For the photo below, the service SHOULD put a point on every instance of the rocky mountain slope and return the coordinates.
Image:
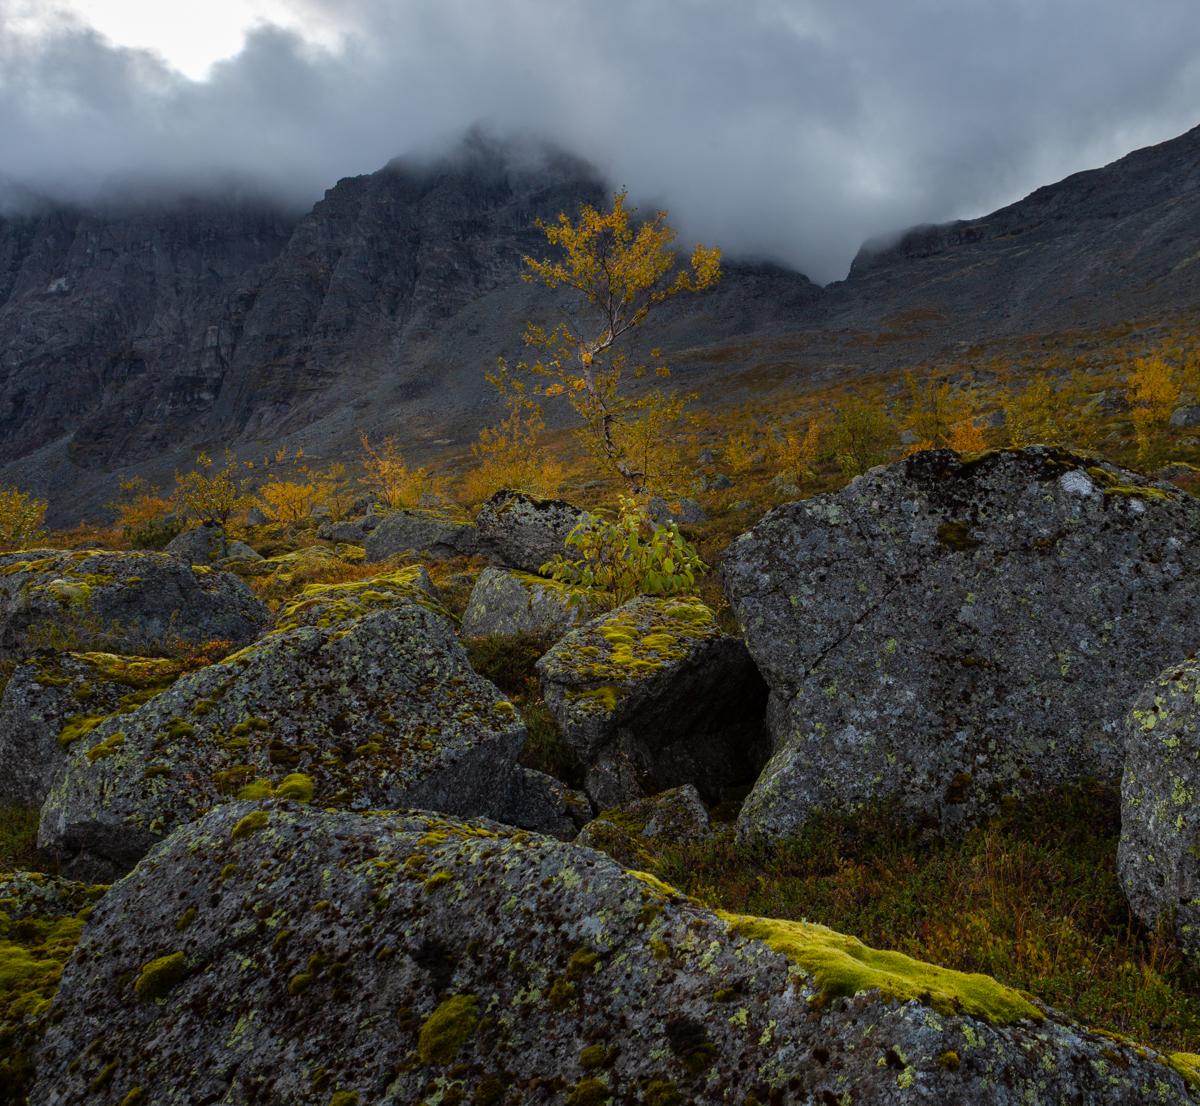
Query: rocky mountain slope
(132, 334)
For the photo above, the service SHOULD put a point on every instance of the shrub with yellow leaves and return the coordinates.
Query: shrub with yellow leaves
(1154, 388)
(388, 476)
(21, 518)
(211, 494)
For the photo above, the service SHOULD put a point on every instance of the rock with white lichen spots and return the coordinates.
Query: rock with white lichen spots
(950, 631)
(126, 602)
(521, 532)
(53, 699)
(654, 695)
(1159, 856)
(369, 710)
(504, 602)
(201, 545)
(278, 954)
(419, 532)
(629, 833)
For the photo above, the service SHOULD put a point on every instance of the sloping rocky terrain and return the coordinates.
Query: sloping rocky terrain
(133, 332)
(335, 879)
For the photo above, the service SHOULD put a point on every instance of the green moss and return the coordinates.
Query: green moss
(948, 1060)
(185, 919)
(661, 1092)
(256, 789)
(1128, 491)
(956, 535)
(1187, 1064)
(344, 1098)
(159, 976)
(107, 747)
(135, 1096)
(296, 786)
(79, 726)
(249, 824)
(326, 605)
(589, 1092)
(841, 965)
(592, 1057)
(447, 1029)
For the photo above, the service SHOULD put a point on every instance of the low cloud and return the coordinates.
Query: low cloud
(788, 130)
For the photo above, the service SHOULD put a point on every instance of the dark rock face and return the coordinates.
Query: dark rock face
(945, 632)
(126, 602)
(1160, 818)
(377, 709)
(653, 695)
(55, 699)
(419, 532)
(425, 959)
(518, 531)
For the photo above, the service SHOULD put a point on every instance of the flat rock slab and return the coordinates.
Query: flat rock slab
(508, 602)
(1157, 859)
(378, 712)
(521, 532)
(419, 532)
(275, 954)
(127, 602)
(54, 699)
(948, 631)
(654, 695)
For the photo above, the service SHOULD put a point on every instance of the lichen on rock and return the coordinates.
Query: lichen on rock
(528, 971)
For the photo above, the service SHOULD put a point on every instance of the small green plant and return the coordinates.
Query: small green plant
(626, 556)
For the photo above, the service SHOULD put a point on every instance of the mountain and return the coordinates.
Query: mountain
(132, 334)
(136, 331)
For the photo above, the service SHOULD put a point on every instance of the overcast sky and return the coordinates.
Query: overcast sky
(793, 129)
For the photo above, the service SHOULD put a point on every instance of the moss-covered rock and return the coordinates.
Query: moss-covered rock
(520, 532)
(423, 532)
(54, 699)
(325, 605)
(654, 695)
(1159, 855)
(127, 602)
(629, 833)
(41, 919)
(402, 958)
(950, 631)
(504, 602)
(378, 711)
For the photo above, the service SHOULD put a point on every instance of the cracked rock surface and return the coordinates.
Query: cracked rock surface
(948, 631)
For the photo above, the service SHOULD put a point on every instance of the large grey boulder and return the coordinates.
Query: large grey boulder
(653, 695)
(54, 699)
(518, 531)
(275, 954)
(1158, 860)
(629, 833)
(363, 703)
(946, 632)
(504, 602)
(353, 530)
(128, 602)
(420, 532)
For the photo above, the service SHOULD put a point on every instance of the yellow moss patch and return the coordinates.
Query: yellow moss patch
(841, 965)
(251, 823)
(446, 1030)
(159, 976)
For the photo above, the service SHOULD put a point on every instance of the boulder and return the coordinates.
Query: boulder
(1185, 417)
(518, 531)
(368, 708)
(420, 532)
(354, 530)
(628, 833)
(127, 602)
(41, 918)
(278, 954)
(946, 632)
(256, 516)
(504, 602)
(1158, 861)
(237, 551)
(653, 695)
(687, 512)
(54, 699)
(201, 545)
(327, 605)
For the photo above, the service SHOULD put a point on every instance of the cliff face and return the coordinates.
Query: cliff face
(133, 334)
(1096, 248)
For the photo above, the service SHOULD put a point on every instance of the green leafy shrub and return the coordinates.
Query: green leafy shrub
(627, 556)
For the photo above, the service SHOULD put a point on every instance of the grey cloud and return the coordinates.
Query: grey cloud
(787, 129)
